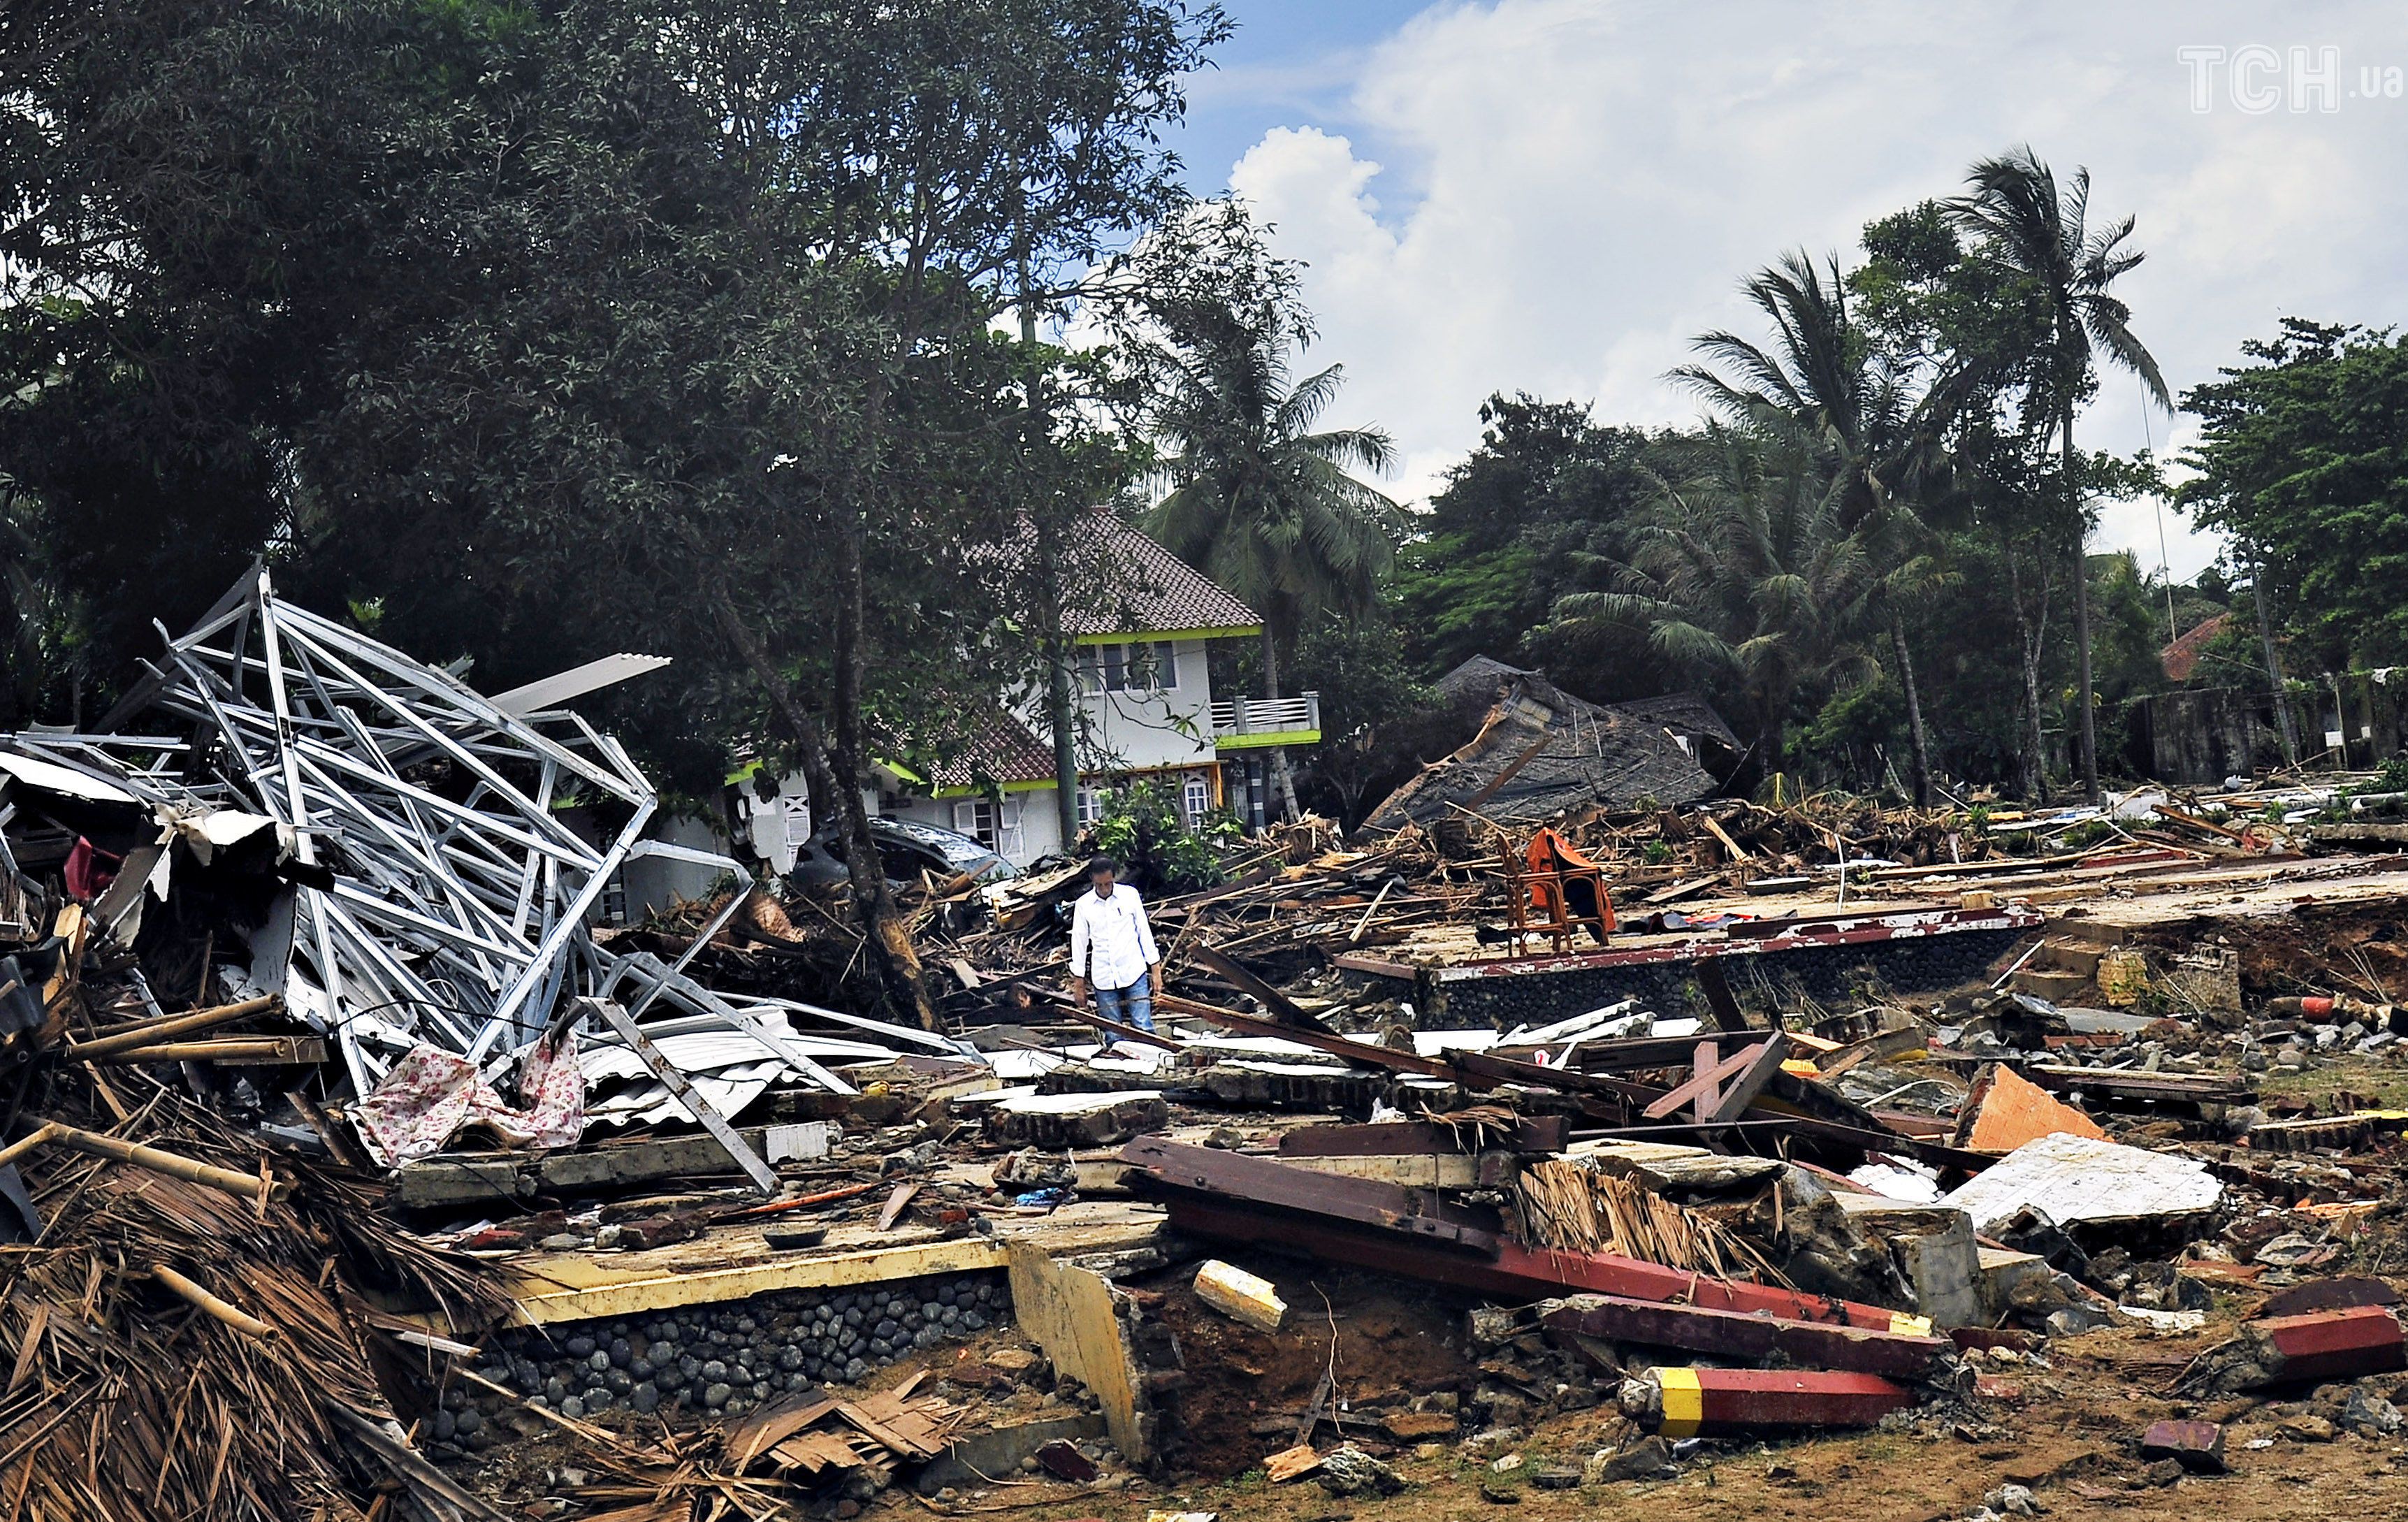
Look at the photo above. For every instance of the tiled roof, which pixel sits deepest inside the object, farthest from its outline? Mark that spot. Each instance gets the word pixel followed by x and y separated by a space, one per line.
pixel 2181 658
pixel 1151 591
pixel 1003 751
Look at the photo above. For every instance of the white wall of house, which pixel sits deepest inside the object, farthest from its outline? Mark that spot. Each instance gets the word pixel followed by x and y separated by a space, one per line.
pixel 1143 710
pixel 1022 826
pixel 649 882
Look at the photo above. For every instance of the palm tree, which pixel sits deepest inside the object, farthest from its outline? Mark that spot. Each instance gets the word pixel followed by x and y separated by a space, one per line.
pixel 2042 232
pixel 1258 500
pixel 1821 381
pixel 1747 575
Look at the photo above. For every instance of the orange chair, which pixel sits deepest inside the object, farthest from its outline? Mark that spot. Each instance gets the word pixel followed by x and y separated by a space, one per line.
pixel 1555 890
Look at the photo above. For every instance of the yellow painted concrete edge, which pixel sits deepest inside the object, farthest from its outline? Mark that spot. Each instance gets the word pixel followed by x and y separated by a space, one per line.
pixel 540 1302
pixel 1685 1404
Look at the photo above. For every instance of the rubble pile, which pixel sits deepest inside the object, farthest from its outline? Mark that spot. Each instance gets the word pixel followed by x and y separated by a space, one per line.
pixel 351 1170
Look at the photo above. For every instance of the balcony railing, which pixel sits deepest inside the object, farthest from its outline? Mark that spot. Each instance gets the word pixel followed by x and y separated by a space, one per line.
pixel 1242 722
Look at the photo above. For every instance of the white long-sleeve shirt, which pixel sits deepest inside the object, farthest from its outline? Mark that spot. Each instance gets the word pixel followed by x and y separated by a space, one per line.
pixel 1114 934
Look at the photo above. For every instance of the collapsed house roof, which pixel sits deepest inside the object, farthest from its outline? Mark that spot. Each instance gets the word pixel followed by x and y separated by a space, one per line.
pixel 1685 714
pixel 1541 753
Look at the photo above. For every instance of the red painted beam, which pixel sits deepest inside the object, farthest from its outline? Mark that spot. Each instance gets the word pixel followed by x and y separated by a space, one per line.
pixel 1689 1402
pixel 1734 1334
pixel 2327 1345
pixel 1515 1273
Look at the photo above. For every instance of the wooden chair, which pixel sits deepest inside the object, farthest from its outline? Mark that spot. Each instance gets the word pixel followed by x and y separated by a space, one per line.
pixel 1554 890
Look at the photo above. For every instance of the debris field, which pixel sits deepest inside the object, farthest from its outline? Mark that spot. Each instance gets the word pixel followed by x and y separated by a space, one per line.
pixel 1806 1158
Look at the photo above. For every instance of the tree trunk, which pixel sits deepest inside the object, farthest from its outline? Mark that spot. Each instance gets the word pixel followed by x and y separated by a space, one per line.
pixel 2088 730
pixel 1283 785
pixel 1914 710
pixel 2274 666
pixel 2028 635
pixel 835 785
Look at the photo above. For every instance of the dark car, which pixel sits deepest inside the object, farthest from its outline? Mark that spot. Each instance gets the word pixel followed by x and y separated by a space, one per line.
pixel 905 848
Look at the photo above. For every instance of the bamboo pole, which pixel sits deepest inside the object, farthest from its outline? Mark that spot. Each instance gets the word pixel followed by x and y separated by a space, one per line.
pixel 237 1049
pixel 246 1185
pixel 152 1033
pixel 26 1144
pixel 220 1310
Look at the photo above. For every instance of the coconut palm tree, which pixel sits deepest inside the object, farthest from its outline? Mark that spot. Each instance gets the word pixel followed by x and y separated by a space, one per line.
pixel 1746 575
pixel 1823 380
pixel 2043 233
pixel 1259 500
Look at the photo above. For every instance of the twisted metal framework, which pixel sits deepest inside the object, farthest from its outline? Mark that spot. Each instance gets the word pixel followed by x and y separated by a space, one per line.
pixel 457 896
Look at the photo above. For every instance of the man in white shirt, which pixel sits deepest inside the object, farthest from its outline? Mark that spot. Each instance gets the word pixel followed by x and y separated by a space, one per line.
pixel 1111 949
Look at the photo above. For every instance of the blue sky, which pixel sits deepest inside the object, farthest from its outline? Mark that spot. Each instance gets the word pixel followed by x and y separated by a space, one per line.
pixel 1555 196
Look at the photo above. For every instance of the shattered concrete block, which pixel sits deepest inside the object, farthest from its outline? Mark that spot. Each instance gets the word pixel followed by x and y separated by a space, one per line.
pixel 1351 1471
pixel 1241 1296
pixel 2198 1446
pixel 2000 1272
pixel 1934 1249
pixel 1644 1459
pixel 1060 1120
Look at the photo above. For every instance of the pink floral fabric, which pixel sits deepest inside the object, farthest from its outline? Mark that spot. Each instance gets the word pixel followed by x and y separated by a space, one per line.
pixel 431 1095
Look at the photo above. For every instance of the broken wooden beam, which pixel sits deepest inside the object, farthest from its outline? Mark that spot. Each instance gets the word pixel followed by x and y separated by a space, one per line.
pixel 1262 1184
pixel 1680 1403
pixel 2325 1345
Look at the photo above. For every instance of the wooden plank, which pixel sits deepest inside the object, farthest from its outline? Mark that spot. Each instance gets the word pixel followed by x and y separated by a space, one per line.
pixel 1375 967
pixel 1710 982
pixel 1710 1074
pixel 1681 889
pixel 897 1203
pixel 543 1303
pixel 1067 1311
pixel 1750 1081
pixel 1714 827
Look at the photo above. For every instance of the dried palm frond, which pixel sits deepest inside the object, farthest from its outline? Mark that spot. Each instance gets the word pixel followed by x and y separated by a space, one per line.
pixel 1562 1203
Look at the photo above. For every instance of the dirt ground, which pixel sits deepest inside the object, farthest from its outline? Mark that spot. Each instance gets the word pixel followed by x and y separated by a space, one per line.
pixel 2067 1432
pixel 1394 1340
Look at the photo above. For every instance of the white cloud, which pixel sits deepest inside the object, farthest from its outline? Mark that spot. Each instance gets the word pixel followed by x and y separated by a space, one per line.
pixel 1554 194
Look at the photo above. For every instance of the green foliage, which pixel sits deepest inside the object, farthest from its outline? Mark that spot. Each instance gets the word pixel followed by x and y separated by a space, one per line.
pixel 1142 829
pixel 1260 499
pixel 2300 459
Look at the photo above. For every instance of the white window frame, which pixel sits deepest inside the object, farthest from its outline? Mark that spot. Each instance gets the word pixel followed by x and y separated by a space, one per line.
pixel 1138 666
pixel 1195 797
pixel 992 825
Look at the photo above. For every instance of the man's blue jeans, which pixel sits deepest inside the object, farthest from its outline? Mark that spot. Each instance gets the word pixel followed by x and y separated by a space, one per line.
pixel 1131 1006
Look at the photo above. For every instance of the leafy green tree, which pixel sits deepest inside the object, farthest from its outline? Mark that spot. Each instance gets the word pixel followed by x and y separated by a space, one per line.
pixel 2042 232
pixel 1543 505
pixel 1260 499
pixel 565 328
pixel 2302 458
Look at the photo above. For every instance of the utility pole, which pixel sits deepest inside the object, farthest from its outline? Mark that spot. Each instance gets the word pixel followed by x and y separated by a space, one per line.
pixel 2274 665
